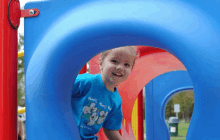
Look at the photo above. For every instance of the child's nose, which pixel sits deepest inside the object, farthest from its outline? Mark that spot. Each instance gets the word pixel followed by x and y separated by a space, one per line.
pixel 120 67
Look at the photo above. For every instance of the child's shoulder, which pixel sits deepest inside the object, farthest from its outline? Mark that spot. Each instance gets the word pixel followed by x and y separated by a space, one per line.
pixel 117 97
pixel 87 76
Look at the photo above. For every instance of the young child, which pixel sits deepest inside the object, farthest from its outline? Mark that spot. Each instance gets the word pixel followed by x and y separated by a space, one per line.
pixel 95 100
pixel 20 129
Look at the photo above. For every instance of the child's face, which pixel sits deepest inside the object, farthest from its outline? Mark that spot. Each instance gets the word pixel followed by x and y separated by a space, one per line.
pixel 116 66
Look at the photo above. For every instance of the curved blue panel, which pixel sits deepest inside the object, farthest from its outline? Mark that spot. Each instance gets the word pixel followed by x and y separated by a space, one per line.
pixel 66 34
pixel 157 94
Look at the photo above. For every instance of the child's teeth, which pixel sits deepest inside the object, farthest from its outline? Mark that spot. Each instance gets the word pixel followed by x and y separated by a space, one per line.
pixel 117 74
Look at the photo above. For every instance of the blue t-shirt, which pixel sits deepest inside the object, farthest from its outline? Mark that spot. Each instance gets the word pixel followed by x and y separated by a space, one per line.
pixel 94 106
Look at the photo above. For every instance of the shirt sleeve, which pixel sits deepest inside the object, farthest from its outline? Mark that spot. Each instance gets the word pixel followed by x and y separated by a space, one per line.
pixel 81 85
pixel 114 120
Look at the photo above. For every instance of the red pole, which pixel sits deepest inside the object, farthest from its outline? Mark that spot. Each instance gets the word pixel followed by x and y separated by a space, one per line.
pixel 140 116
pixel 8 70
pixel 84 69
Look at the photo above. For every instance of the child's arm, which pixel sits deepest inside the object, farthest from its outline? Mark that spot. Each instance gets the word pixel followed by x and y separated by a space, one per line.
pixel 112 134
pixel 82 85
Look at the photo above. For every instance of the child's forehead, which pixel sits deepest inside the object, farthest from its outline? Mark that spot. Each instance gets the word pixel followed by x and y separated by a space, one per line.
pixel 122 53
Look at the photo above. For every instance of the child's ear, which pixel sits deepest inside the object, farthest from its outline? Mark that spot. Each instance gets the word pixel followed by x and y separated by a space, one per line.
pixel 100 64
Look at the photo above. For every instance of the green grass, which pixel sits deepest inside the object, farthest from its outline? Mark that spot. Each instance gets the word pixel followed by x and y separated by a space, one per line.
pixel 182 130
pixel 177 138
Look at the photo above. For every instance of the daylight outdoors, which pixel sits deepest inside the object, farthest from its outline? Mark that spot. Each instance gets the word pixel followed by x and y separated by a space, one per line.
pixel 186 101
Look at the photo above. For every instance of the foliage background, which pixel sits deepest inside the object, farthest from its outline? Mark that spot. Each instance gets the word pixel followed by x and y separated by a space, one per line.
pixel 186 101
pixel 21 91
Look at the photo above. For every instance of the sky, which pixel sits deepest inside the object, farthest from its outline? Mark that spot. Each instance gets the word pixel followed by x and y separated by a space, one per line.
pixel 21 27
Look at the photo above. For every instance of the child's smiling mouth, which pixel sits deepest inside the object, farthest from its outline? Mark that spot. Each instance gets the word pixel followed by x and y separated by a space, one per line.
pixel 116 74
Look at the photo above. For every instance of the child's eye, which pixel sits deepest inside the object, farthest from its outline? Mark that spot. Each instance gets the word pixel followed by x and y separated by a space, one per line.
pixel 114 61
pixel 127 65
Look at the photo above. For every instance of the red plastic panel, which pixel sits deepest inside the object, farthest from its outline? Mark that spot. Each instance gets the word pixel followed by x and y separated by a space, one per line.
pixel 140 116
pixel 146 68
pixel 145 50
pixel 94 64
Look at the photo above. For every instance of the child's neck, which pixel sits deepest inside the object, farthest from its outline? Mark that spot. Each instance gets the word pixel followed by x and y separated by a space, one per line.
pixel 111 87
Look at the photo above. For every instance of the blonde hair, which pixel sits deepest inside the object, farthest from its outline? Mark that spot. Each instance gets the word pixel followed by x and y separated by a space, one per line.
pixel 133 49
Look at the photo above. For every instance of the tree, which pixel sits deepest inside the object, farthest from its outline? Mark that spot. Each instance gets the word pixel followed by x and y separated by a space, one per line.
pixel 21 91
pixel 186 101
pixel 169 109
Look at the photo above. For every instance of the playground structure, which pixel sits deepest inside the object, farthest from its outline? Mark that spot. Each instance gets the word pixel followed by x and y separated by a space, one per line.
pixel 151 63
pixel 170 79
pixel 161 60
pixel 182 30
pixel 181 77
pixel 157 94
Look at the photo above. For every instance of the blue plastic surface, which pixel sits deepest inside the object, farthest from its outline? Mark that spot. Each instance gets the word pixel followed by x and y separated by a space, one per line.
pixel 157 94
pixel 68 33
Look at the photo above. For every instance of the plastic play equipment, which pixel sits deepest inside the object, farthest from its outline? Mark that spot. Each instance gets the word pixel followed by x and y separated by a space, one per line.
pixel 59 42
pixel 79 30
pixel 21 53
pixel 151 63
pixel 157 94
pixel 21 110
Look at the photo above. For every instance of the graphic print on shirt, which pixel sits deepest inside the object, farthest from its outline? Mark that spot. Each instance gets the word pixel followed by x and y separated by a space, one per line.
pixel 92 119
pixel 102 117
pixel 94 114
pixel 89 109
